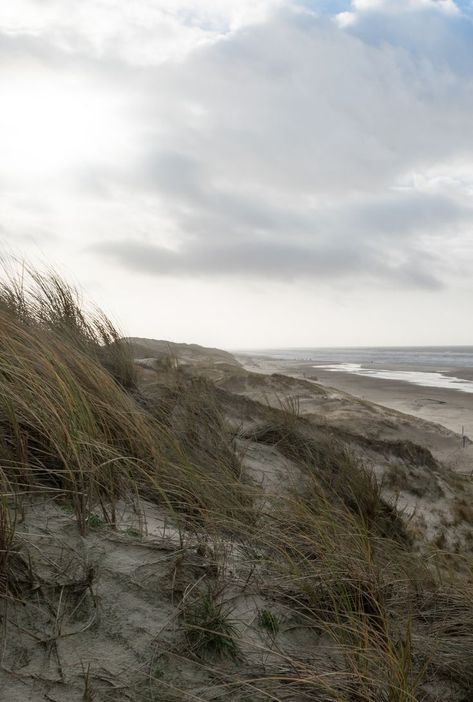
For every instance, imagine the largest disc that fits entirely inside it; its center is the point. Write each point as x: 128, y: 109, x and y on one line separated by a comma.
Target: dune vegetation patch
x: 140, y: 561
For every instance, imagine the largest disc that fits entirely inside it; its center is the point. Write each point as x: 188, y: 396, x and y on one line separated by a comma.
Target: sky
x: 246, y: 173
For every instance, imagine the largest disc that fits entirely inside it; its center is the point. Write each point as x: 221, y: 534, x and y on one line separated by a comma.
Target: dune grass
x: 330, y: 552
x: 210, y: 631
x: 68, y: 423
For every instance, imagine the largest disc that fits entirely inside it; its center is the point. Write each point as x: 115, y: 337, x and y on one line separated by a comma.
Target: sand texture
x: 103, y: 616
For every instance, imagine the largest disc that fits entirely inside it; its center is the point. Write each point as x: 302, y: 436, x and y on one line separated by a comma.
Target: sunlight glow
x: 48, y: 126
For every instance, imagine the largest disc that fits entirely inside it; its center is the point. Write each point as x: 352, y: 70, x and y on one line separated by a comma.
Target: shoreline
x: 449, y: 407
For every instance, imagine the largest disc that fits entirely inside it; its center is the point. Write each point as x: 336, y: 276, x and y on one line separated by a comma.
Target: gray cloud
x: 271, y: 260
x: 385, y: 240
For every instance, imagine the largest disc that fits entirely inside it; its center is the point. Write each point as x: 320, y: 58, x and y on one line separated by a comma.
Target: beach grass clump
x: 188, y: 408
x: 331, y: 466
x: 210, y: 630
x: 393, y: 621
x: 69, y: 426
x: 269, y: 621
x: 65, y: 423
x: 46, y: 301
x: 335, y: 577
x: 7, y: 536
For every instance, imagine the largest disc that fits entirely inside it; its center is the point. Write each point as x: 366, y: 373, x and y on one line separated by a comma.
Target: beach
x: 451, y: 408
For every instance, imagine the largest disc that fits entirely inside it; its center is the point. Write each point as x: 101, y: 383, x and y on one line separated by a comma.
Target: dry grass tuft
x: 330, y: 466
x: 68, y: 426
x: 210, y: 630
x: 46, y: 301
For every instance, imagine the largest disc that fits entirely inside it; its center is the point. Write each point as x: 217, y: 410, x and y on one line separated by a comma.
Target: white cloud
x: 164, y: 142
x: 145, y: 32
x: 345, y: 19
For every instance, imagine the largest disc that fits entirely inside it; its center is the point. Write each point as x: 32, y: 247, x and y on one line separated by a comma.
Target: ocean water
x: 377, y: 363
x: 437, y: 357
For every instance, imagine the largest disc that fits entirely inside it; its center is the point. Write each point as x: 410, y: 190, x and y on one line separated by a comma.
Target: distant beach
x: 433, y: 383
x: 428, y: 379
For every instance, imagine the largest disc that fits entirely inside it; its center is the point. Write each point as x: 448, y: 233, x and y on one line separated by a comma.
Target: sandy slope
x: 101, y: 617
x: 448, y: 409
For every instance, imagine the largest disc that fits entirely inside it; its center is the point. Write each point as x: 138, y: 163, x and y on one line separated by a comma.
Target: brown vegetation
x: 196, y: 583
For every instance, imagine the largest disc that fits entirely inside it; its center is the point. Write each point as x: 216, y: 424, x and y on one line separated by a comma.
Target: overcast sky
x: 246, y: 173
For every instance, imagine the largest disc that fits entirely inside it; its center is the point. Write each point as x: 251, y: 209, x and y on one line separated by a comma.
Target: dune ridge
x: 175, y: 526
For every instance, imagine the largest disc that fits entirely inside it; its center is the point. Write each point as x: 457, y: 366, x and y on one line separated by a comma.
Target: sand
x: 103, y: 617
x: 450, y: 408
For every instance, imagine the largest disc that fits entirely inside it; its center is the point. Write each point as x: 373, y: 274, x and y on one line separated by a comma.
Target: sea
x: 428, y: 366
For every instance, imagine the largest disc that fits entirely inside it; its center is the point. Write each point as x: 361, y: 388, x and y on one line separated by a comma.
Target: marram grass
x: 330, y: 552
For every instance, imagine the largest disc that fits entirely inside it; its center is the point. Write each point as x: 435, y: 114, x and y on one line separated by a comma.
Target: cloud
x: 144, y: 33
x: 390, y: 242
x: 438, y: 32
x: 269, y: 261
x: 288, y: 150
x: 269, y: 143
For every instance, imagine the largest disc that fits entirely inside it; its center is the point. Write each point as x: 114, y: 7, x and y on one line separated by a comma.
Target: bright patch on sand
x: 424, y: 378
